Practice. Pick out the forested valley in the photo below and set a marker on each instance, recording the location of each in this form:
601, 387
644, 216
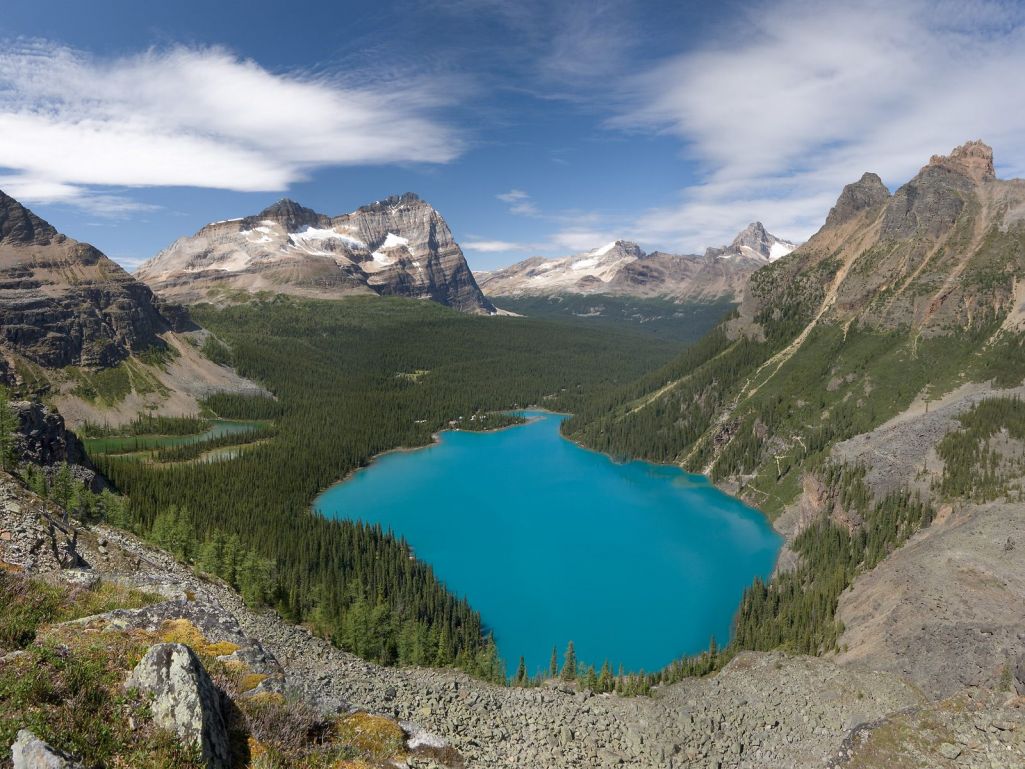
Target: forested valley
352, 379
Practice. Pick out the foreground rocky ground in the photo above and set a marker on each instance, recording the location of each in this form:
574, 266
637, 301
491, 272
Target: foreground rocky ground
763, 710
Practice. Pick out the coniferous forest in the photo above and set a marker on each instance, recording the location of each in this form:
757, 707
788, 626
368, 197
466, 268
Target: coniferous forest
352, 379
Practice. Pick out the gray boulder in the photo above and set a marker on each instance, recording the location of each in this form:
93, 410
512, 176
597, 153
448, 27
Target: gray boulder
185, 700
30, 752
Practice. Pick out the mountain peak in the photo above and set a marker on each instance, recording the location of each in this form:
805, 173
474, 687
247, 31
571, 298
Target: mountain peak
753, 242
289, 214
19, 226
866, 193
751, 236
973, 159
410, 199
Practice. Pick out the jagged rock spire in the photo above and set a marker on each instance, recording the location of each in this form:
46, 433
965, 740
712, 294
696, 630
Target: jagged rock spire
866, 193
974, 159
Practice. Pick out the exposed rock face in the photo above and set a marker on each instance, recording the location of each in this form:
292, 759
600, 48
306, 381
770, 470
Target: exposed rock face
622, 268
64, 303
42, 437
866, 194
185, 700
30, 752
400, 246
973, 159
928, 257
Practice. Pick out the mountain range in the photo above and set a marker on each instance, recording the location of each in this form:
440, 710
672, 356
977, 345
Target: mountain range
400, 246
622, 268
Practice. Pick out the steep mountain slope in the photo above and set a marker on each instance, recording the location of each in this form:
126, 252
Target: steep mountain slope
400, 246
622, 268
64, 303
897, 300
97, 342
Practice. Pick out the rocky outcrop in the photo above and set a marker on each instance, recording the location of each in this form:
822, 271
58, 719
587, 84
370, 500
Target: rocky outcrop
973, 159
400, 246
622, 268
63, 303
42, 438
867, 194
30, 752
185, 700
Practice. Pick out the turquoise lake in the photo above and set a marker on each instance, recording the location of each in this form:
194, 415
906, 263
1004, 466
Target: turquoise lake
636, 563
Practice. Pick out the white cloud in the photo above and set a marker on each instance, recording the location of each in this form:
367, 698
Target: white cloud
197, 117
801, 98
493, 246
520, 203
577, 240
513, 196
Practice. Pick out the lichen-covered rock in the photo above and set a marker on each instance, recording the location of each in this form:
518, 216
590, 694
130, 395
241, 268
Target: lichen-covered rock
30, 752
185, 700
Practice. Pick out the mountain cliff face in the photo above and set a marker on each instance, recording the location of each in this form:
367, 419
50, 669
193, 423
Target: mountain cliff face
400, 246
944, 252
64, 303
622, 268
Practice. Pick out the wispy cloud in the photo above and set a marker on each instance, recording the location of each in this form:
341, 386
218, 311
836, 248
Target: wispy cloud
494, 246
802, 98
519, 203
197, 117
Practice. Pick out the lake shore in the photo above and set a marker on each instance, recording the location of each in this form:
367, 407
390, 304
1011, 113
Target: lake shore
542, 490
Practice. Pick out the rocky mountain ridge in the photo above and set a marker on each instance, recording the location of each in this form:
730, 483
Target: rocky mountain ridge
400, 246
63, 303
623, 268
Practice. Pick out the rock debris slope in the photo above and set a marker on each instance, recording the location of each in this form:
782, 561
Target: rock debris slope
400, 246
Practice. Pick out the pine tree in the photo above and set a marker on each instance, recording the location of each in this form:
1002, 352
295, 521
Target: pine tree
36, 480
553, 666
62, 487
569, 664
521, 672
605, 683
590, 679
8, 432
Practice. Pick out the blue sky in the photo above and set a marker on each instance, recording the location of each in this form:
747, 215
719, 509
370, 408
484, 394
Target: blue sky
534, 127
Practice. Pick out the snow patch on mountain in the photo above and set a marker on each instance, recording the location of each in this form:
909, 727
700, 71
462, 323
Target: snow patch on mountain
779, 249
394, 241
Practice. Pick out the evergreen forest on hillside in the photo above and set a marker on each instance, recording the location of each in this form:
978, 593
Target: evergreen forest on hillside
353, 379
662, 318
